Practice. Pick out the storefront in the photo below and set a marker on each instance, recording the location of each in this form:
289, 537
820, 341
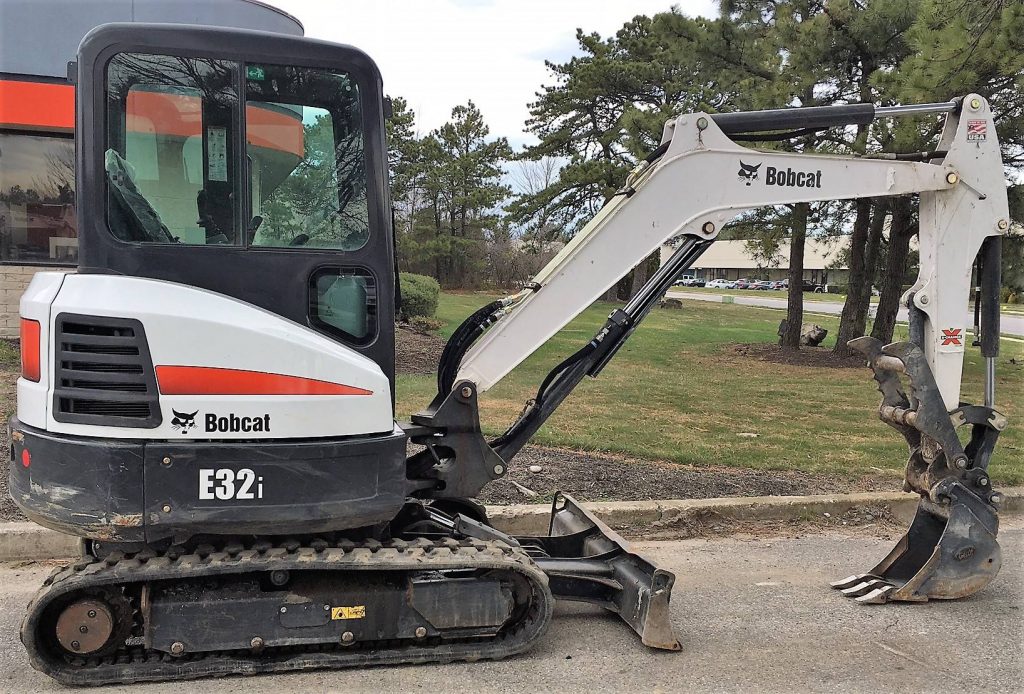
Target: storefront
38, 226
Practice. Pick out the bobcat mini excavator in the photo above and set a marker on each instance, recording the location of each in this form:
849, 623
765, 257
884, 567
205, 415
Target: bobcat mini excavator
209, 401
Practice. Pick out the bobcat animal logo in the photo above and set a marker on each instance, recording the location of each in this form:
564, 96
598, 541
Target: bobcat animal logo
184, 421
748, 173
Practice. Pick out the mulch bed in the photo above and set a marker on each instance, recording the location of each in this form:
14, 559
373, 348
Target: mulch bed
416, 352
822, 357
606, 477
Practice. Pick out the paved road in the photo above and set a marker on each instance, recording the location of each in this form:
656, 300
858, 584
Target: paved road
1010, 324
755, 615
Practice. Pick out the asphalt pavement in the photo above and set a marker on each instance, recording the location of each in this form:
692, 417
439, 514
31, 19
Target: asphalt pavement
754, 615
1009, 324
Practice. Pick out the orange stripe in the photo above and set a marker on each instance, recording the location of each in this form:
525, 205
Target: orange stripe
37, 105
46, 106
182, 115
208, 380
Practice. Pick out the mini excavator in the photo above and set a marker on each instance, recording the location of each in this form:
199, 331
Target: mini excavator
209, 401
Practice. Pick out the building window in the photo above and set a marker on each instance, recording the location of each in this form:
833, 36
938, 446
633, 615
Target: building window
37, 199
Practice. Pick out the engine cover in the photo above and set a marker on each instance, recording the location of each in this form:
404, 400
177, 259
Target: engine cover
137, 358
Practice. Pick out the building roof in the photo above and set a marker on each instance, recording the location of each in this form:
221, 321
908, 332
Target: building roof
39, 38
733, 255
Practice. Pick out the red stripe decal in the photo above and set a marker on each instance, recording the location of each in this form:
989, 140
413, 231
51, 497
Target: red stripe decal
208, 380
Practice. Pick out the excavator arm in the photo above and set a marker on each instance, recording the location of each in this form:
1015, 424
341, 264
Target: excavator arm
686, 191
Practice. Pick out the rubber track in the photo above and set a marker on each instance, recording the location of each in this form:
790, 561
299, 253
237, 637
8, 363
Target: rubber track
137, 664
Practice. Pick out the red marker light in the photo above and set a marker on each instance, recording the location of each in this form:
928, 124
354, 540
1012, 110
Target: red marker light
26, 457
30, 357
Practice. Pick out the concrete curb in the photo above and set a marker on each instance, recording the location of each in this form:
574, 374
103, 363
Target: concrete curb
30, 542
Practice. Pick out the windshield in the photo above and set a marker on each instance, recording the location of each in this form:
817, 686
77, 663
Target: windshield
175, 173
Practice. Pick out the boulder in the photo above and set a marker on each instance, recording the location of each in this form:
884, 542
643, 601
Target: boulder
812, 335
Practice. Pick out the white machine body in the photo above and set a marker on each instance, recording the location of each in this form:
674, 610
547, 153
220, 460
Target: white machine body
225, 369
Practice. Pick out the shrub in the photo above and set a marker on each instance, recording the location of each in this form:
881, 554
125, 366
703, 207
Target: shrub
419, 295
1013, 298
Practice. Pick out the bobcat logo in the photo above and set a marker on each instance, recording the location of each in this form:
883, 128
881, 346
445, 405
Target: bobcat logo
747, 173
184, 421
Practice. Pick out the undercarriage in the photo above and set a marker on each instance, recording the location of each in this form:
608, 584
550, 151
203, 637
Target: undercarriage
442, 589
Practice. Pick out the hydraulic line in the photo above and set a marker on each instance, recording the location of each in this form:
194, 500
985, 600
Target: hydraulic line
592, 357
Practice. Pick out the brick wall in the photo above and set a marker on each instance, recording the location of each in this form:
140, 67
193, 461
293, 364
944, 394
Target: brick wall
13, 280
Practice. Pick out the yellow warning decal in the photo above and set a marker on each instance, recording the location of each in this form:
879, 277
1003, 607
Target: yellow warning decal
353, 612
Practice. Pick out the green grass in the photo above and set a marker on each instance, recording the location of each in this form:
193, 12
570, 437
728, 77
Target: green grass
677, 392
9, 354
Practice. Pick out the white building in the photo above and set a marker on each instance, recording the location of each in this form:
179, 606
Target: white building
732, 260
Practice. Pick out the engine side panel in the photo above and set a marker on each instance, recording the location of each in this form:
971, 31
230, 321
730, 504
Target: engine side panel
225, 369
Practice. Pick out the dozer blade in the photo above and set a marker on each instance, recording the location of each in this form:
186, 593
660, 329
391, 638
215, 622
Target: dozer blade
949, 552
587, 561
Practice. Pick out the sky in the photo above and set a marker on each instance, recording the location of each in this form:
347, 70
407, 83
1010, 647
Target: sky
440, 53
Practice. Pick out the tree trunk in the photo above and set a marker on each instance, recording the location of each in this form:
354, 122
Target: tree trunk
900, 232
880, 210
642, 273
855, 313
795, 305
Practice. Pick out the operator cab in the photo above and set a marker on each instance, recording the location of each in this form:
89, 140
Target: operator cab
260, 178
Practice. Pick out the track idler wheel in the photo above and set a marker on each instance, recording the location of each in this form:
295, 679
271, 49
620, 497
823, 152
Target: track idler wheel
949, 552
85, 626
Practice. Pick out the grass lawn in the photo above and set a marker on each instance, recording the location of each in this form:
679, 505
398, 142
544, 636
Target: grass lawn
677, 392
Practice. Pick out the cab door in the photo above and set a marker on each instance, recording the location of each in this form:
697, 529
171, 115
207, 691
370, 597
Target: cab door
245, 163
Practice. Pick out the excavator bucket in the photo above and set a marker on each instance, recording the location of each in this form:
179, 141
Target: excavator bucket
587, 561
950, 550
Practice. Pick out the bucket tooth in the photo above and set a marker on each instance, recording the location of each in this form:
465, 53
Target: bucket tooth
864, 587
851, 581
877, 596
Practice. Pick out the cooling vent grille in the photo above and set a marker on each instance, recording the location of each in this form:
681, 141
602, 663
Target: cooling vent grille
104, 373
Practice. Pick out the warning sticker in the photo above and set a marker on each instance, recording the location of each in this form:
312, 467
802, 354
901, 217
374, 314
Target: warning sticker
352, 612
217, 151
977, 130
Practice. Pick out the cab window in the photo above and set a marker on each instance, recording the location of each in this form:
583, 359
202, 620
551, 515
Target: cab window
171, 124
307, 168
343, 302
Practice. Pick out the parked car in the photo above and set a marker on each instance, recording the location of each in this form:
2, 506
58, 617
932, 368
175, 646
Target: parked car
760, 285
809, 286
779, 285
743, 283
720, 284
698, 282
